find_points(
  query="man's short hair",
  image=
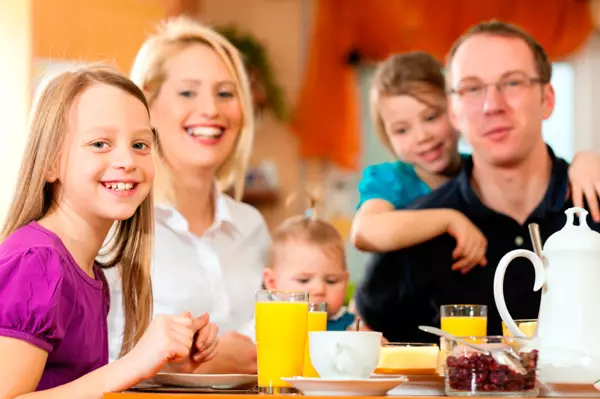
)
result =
(499, 28)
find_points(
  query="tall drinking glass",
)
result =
(281, 331)
(317, 321)
(464, 320)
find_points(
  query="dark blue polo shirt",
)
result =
(405, 288)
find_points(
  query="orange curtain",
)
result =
(327, 115)
(178, 7)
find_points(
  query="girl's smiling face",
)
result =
(420, 134)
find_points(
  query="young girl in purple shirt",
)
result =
(87, 164)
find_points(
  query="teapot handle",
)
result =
(540, 277)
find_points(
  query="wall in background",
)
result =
(15, 75)
(93, 30)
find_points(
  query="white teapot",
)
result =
(568, 327)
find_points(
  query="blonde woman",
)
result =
(87, 163)
(210, 249)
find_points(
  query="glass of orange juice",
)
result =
(464, 320)
(317, 321)
(528, 326)
(281, 331)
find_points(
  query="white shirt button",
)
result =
(518, 241)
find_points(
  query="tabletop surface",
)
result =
(146, 395)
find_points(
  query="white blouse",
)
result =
(217, 273)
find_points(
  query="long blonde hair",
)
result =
(148, 72)
(130, 248)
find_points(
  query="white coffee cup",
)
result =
(344, 354)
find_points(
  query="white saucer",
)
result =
(345, 387)
(214, 381)
(418, 385)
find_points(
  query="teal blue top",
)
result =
(394, 182)
(341, 322)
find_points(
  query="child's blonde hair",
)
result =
(417, 74)
(310, 229)
(148, 72)
(131, 246)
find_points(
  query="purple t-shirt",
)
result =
(46, 299)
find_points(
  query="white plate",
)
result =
(335, 387)
(215, 381)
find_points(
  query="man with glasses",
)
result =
(499, 94)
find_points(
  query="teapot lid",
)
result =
(574, 237)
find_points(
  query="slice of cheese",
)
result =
(408, 360)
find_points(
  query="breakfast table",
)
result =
(140, 395)
(559, 360)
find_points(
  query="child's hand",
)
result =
(471, 244)
(167, 339)
(584, 176)
(204, 347)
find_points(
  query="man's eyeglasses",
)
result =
(512, 85)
